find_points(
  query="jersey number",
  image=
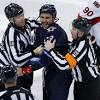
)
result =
(87, 11)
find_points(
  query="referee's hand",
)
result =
(39, 50)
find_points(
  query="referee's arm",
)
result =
(71, 59)
(13, 49)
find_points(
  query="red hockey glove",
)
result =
(27, 70)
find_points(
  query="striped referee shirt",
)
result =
(16, 94)
(4, 60)
(17, 42)
(80, 59)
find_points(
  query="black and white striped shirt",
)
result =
(4, 60)
(81, 60)
(16, 94)
(17, 42)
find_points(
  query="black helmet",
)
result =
(8, 74)
(49, 8)
(82, 25)
(13, 10)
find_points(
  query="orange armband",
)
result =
(71, 60)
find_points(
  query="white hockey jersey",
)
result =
(92, 12)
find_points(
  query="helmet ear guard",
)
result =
(48, 8)
(82, 25)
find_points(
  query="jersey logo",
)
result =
(51, 29)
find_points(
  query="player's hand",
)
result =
(49, 43)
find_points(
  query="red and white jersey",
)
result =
(92, 12)
(95, 31)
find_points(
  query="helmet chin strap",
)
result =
(56, 19)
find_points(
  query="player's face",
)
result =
(19, 21)
(46, 20)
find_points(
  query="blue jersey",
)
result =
(59, 34)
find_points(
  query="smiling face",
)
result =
(46, 20)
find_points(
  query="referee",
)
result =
(18, 41)
(4, 61)
(12, 92)
(80, 59)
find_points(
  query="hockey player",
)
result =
(80, 59)
(17, 41)
(92, 12)
(56, 84)
(12, 92)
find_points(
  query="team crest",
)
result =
(51, 29)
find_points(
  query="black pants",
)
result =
(87, 90)
(56, 85)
